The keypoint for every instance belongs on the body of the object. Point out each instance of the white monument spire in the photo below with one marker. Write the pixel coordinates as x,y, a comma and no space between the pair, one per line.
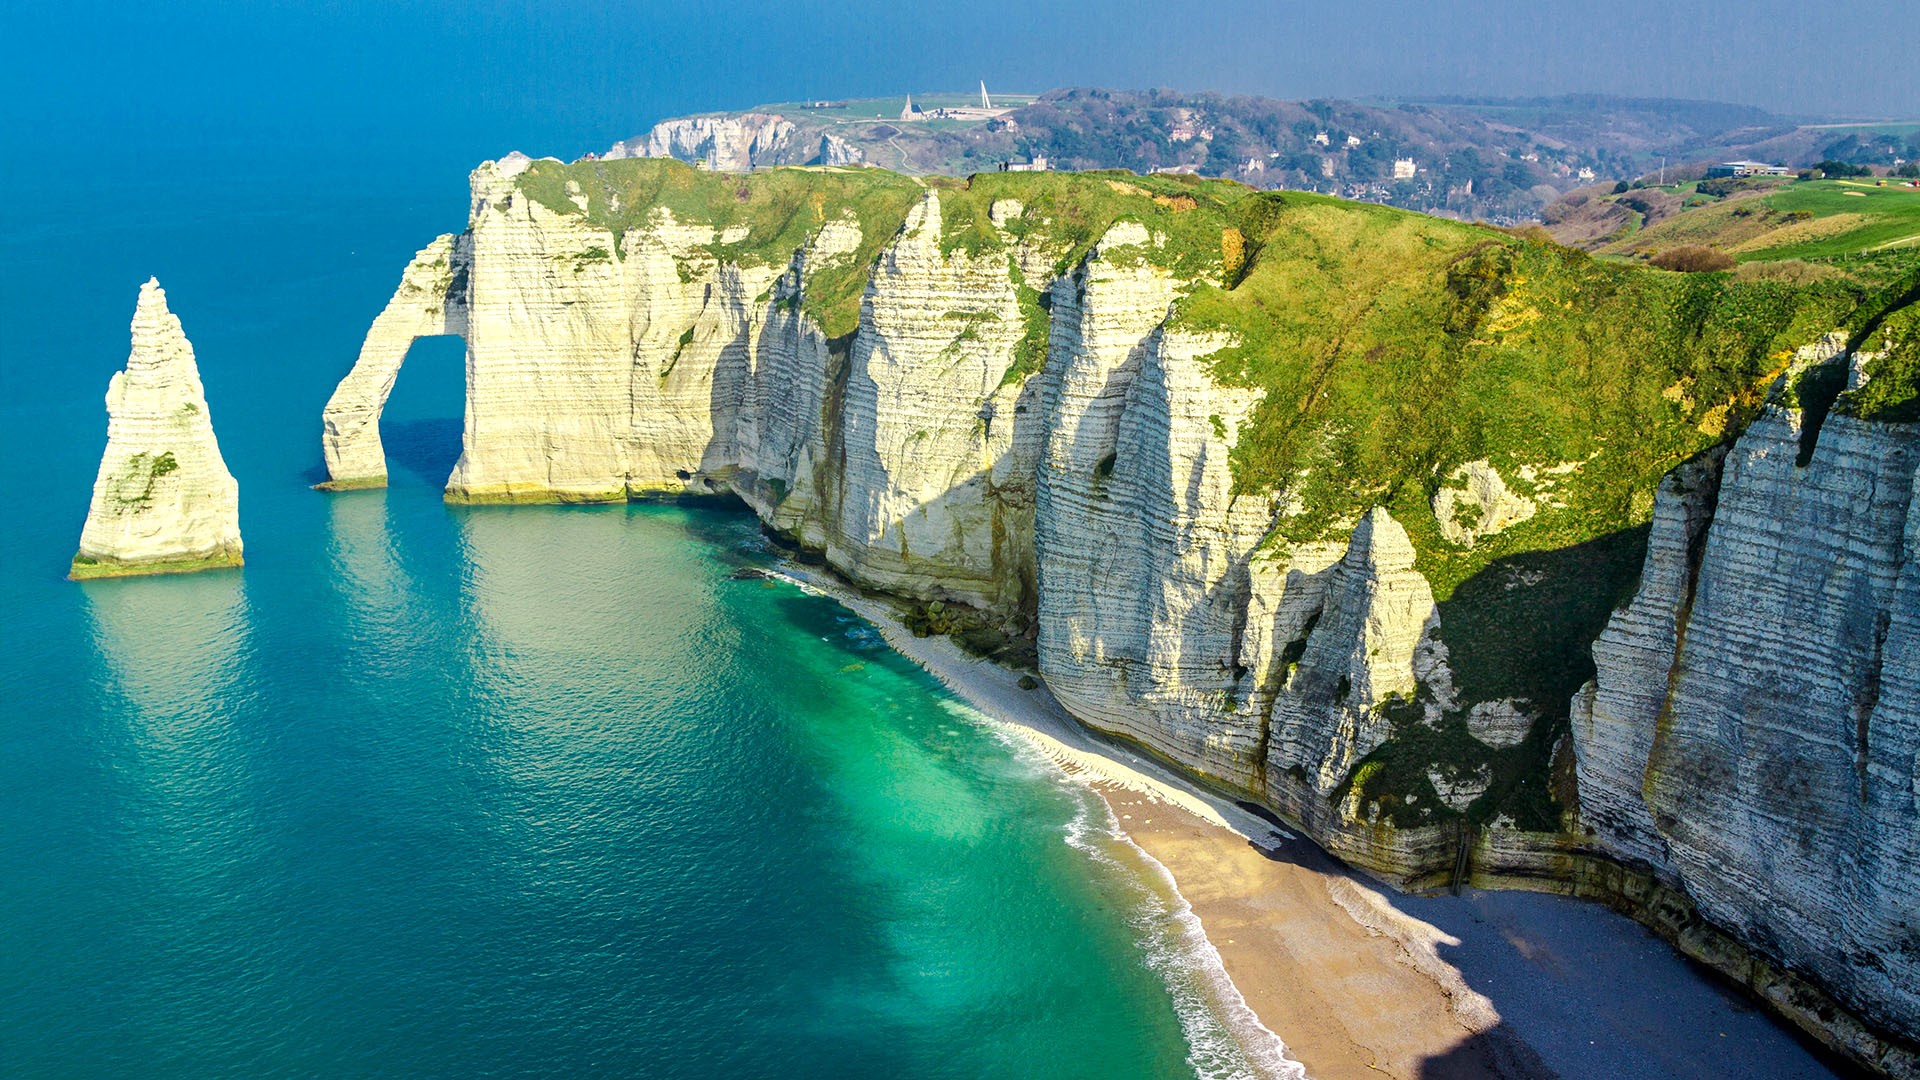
985,102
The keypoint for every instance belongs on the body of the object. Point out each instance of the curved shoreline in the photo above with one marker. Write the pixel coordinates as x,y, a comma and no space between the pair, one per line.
1038,723
1353,978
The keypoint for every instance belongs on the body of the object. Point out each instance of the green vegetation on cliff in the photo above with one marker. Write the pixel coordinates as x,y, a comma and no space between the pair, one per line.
1891,390
1065,214
778,208
1393,349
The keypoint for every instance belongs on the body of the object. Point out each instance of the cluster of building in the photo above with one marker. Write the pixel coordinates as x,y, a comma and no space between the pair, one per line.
1036,163
1743,169
912,113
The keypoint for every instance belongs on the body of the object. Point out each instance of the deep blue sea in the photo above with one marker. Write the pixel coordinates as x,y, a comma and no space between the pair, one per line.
426,791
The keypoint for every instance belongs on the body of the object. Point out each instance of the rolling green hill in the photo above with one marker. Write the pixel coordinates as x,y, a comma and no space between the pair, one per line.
1754,221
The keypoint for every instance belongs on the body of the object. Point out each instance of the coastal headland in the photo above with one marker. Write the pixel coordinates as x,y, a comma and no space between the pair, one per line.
1476,560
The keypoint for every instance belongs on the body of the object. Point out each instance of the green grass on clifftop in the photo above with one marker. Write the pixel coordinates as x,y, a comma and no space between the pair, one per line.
780,208
1065,214
1891,390
1392,348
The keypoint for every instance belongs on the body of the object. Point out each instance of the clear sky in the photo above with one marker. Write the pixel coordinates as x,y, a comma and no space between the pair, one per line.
565,76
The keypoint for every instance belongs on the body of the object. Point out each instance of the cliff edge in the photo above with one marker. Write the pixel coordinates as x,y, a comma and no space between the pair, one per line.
1335,507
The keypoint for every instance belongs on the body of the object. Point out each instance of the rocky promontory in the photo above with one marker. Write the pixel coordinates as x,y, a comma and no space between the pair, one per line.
164,501
1477,559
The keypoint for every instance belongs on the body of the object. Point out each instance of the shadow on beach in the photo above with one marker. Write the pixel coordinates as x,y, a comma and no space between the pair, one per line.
1580,991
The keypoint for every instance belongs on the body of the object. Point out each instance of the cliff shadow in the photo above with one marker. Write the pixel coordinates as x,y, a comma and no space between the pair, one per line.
1524,624
1576,990
1520,629
1495,1052
1582,991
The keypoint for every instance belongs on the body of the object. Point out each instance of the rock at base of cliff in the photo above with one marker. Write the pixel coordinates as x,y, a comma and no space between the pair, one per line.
360,483
87,568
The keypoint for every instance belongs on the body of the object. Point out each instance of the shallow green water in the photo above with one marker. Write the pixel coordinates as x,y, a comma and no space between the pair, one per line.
425,791
517,792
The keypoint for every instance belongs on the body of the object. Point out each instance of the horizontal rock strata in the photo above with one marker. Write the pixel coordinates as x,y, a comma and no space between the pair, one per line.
1745,752
163,501
1753,731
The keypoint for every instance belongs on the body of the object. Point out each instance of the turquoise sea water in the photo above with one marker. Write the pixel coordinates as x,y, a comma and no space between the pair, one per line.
429,791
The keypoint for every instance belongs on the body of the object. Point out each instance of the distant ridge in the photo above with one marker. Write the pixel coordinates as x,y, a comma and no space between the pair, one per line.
1500,159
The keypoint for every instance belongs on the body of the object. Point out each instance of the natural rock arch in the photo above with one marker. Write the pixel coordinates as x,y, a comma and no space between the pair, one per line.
430,302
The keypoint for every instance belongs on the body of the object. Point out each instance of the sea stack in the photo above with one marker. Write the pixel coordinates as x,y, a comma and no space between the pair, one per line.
164,501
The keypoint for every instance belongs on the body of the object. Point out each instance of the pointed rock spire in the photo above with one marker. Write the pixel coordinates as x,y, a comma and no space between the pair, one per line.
163,501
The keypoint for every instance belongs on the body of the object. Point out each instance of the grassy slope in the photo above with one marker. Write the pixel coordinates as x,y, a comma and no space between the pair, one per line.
1847,217
1393,347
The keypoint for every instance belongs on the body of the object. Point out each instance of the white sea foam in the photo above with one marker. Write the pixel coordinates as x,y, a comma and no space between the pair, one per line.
1225,1038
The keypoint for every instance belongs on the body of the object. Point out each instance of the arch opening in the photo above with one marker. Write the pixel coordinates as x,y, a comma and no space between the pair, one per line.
425,413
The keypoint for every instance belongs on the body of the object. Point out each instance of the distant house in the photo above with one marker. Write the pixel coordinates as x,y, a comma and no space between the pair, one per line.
1353,140
1737,169
1036,163
1321,138
1585,174
1404,168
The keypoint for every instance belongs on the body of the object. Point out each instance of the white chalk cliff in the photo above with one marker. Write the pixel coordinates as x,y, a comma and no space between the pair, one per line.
163,501
430,301
737,143
1749,741
1753,730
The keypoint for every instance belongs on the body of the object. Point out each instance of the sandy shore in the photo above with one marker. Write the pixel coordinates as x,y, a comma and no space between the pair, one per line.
1361,981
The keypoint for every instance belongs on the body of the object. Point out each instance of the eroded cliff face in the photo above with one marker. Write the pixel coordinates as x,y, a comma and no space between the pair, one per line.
737,143
1753,731
430,301
1142,549
919,510
1021,427
164,501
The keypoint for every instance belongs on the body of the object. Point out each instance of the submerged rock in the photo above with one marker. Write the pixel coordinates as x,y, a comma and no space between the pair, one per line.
164,501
